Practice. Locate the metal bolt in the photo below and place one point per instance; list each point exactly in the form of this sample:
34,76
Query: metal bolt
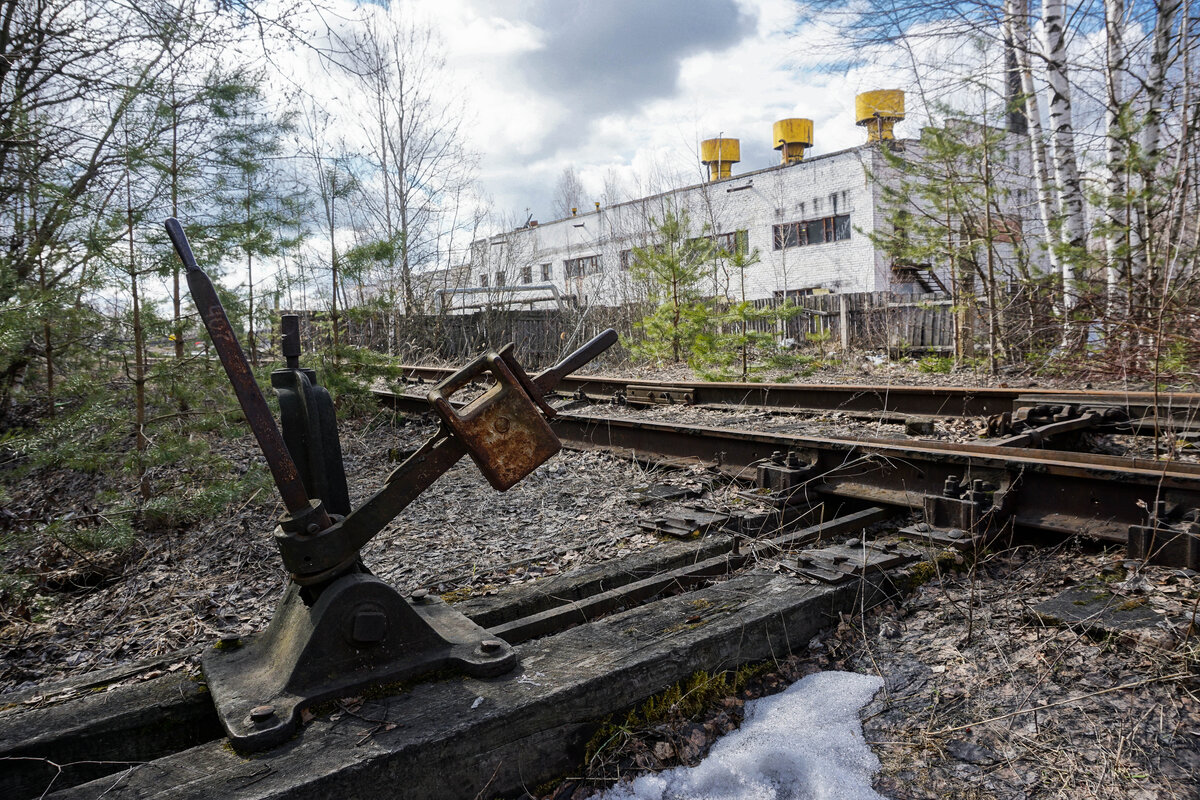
369,625
777,457
313,528
491,646
261,713
501,424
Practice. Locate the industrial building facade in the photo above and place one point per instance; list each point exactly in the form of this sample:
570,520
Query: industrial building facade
810,223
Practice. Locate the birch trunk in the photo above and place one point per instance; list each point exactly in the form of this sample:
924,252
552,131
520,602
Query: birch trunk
1141,245
1062,133
1114,161
1018,17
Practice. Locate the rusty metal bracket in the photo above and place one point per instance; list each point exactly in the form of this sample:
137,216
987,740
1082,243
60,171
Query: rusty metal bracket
659,396
502,429
1039,425
851,561
781,479
966,514
1171,536
690,522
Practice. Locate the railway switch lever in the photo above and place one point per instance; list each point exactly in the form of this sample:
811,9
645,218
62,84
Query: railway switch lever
338,628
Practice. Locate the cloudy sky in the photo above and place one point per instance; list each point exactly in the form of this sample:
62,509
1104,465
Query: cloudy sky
628,88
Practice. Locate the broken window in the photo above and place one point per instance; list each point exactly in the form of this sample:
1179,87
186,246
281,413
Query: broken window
500,279
546,272
584,265
527,274
483,279
814,231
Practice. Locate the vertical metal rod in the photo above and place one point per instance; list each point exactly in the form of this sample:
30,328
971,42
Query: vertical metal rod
289,344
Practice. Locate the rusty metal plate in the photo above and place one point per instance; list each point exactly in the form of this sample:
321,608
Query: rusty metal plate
503,430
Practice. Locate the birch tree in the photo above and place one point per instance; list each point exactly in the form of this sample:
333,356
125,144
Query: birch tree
1115,162
1142,244
1062,139
1017,16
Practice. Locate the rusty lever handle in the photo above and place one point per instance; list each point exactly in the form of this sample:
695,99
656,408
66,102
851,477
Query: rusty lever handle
254,406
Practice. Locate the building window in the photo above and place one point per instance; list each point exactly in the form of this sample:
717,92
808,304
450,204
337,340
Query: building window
733,243
727,244
500,279
625,259
546,273
483,279
813,231
527,274
584,265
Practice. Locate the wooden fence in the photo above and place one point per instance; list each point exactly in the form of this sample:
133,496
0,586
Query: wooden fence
901,324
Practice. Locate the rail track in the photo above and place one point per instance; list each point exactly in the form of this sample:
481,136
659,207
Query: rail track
1030,488
834,515
1181,410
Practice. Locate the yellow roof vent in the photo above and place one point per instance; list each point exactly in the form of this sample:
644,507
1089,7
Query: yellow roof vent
878,111
719,155
791,137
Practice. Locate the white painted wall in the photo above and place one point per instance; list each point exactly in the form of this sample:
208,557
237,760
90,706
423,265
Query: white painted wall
821,186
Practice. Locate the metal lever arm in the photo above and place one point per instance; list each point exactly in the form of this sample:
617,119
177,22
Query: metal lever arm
311,558
283,468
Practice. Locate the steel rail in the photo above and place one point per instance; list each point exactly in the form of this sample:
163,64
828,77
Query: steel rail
1182,408
1046,490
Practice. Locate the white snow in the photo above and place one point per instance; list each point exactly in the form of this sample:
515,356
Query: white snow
804,743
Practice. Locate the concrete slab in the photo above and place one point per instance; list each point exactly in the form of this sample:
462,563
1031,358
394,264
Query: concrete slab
1093,607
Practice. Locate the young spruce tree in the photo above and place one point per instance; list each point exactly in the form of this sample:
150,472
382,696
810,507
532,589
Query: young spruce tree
674,271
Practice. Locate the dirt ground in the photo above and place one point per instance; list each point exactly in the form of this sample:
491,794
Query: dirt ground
984,697
179,588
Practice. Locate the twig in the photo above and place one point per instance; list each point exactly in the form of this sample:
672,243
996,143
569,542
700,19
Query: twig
1133,685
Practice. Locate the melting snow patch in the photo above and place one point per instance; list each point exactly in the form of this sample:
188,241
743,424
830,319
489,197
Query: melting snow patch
804,743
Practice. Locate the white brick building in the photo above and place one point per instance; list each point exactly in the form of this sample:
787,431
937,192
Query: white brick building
809,221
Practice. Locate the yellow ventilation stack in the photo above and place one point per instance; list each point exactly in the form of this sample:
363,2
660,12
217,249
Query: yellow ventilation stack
791,137
719,155
878,111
